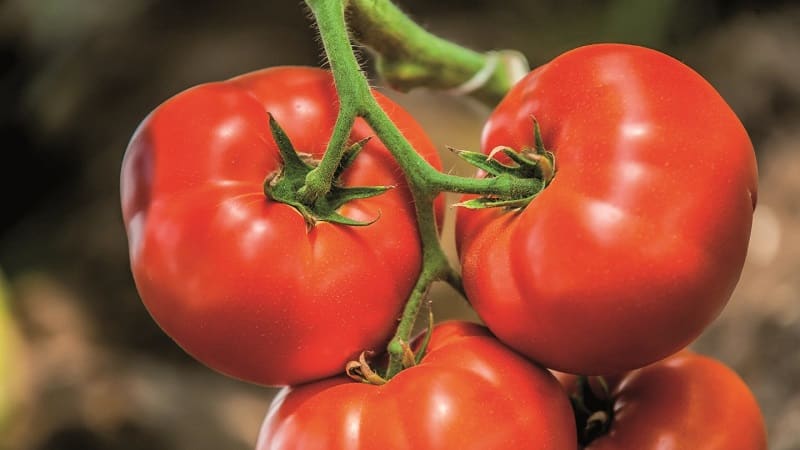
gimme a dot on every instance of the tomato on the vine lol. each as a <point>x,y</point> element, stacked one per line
<point>240,281</point>
<point>469,391</point>
<point>639,239</point>
<point>685,401</point>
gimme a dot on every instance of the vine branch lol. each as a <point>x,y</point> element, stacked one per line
<point>409,56</point>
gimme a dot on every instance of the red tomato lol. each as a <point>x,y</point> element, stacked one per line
<point>639,240</point>
<point>468,392</point>
<point>687,401</point>
<point>238,280</point>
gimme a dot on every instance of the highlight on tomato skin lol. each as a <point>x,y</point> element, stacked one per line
<point>240,281</point>
<point>685,401</point>
<point>469,391</point>
<point>639,240</point>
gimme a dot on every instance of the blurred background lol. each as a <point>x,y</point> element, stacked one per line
<point>82,366</point>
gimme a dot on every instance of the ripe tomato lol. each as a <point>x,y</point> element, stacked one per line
<point>639,240</point>
<point>687,401</point>
<point>238,280</point>
<point>468,392</point>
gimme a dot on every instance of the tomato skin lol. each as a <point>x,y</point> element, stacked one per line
<point>469,392</point>
<point>238,280</point>
<point>687,401</point>
<point>639,240</point>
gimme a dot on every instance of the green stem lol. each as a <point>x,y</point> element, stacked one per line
<point>356,98</point>
<point>435,265</point>
<point>409,56</point>
<point>501,185</point>
<point>453,278</point>
<point>422,174</point>
<point>430,272</point>
<point>351,87</point>
<point>452,65</point>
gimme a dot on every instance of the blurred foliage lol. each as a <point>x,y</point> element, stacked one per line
<point>5,355</point>
<point>77,76</point>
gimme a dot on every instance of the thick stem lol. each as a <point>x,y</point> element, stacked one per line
<point>502,185</point>
<point>410,312</point>
<point>427,177</point>
<point>453,65</point>
<point>435,265</point>
<point>409,56</point>
<point>351,87</point>
<point>356,99</point>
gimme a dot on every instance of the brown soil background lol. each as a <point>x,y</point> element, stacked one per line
<point>92,371</point>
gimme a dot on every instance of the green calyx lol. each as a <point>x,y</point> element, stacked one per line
<point>362,371</point>
<point>285,185</point>
<point>535,164</point>
<point>593,409</point>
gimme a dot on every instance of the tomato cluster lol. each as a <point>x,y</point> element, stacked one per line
<point>629,251</point>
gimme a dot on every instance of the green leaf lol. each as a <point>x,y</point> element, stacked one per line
<point>494,202</point>
<point>518,158</point>
<point>551,157</point>
<point>481,161</point>
<point>339,196</point>
<point>342,220</point>
<point>349,156</point>
<point>292,163</point>
<point>537,137</point>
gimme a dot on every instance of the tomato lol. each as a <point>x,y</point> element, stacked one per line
<point>240,281</point>
<point>468,392</point>
<point>687,401</point>
<point>639,239</point>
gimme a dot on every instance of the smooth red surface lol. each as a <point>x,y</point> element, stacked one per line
<point>639,240</point>
<point>468,392</point>
<point>686,402</point>
<point>236,279</point>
